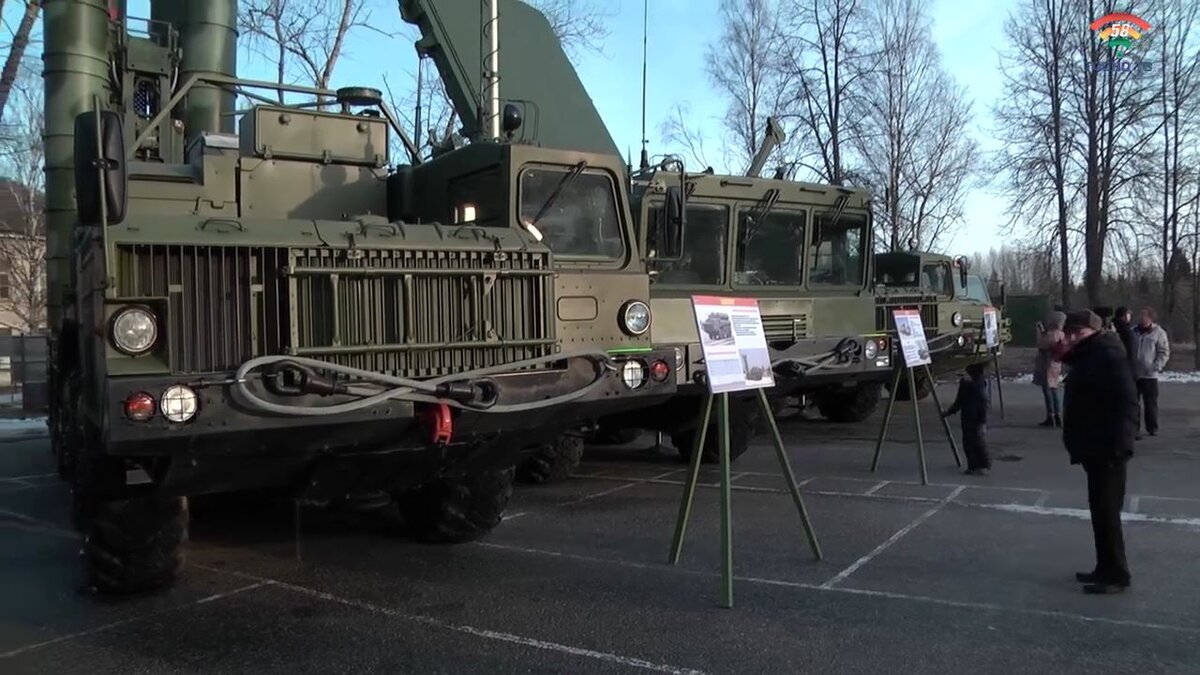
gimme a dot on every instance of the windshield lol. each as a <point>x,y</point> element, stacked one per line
<point>936,278</point>
<point>838,250</point>
<point>977,290</point>
<point>770,251</point>
<point>582,220</point>
<point>703,257</point>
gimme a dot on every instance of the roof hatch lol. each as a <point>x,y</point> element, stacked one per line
<point>535,73</point>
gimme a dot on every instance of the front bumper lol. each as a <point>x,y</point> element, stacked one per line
<point>226,424</point>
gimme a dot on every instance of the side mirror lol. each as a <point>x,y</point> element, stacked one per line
<point>100,151</point>
<point>667,237</point>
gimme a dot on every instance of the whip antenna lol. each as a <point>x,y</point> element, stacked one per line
<point>645,24</point>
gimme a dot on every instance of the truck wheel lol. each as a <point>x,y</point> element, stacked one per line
<point>849,406</point>
<point>131,544</point>
<point>743,418</point>
<point>135,545</point>
<point>458,510</point>
<point>553,461</point>
<point>924,387</point>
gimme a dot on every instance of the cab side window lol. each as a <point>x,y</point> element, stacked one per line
<point>703,257</point>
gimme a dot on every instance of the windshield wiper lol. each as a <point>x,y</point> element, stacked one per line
<point>566,180</point>
<point>760,213</point>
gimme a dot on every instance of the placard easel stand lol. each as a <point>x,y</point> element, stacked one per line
<point>685,508</point>
<point>999,387</point>
<point>912,392</point>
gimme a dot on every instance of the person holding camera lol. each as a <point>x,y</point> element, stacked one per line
<point>1047,368</point>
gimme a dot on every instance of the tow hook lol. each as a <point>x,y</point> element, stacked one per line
<point>439,423</point>
<point>847,349</point>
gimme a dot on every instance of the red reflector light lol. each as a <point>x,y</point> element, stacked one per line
<point>139,407</point>
<point>659,370</point>
<point>439,423</point>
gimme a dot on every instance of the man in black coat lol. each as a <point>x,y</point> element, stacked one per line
<point>1100,419</point>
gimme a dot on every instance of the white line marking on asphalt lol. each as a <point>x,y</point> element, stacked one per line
<point>841,576</point>
<point>666,569</point>
<point>875,488</point>
<point>510,638</point>
<point>124,622</point>
<point>35,475</point>
<point>630,484</point>
<point>1041,500</point>
<point>1084,514</point>
<point>1133,503</point>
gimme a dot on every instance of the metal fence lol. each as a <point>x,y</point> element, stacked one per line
<point>23,371</point>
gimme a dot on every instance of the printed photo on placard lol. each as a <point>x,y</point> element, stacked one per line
<point>734,343</point>
<point>912,337</point>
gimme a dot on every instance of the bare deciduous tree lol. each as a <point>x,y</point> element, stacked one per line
<point>688,140</point>
<point>1035,132</point>
<point>16,53</point>
<point>741,65</point>
<point>908,108</point>
<point>823,54</point>
<point>303,39</point>
<point>22,234</point>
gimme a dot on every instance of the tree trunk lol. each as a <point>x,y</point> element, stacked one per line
<point>17,52</point>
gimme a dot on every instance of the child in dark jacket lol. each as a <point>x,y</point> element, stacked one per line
<point>973,401</point>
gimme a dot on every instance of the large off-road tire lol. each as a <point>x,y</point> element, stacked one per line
<point>743,420</point>
<point>924,387</point>
<point>135,545</point>
<point>458,510</point>
<point>846,406</point>
<point>553,461</point>
<point>131,543</point>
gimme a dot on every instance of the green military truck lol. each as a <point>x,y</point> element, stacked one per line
<point>279,308</point>
<point>802,250</point>
<point>951,302</point>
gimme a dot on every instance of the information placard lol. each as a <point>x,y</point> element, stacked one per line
<point>734,344</point>
<point>912,337</point>
<point>991,327</point>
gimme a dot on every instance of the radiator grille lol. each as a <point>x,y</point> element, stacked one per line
<point>885,321</point>
<point>788,327</point>
<point>225,304</point>
<point>408,313</point>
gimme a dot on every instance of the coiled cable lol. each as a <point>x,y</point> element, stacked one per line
<point>389,387</point>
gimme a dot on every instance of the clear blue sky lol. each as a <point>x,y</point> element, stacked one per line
<point>967,33</point>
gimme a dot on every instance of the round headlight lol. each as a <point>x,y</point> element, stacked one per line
<point>179,403</point>
<point>680,358</point>
<point>134,330</point>
<point>870,349</point>
<point>635,317</point>
<point>633,374</point>
<point>956,319</point>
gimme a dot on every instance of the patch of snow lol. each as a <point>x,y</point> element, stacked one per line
<point>1180,376</point>
<point>31,424</point>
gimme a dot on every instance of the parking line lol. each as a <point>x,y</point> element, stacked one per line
<point>625,486</point>
<point>878,486</point>
<point>124,622</point>
<point>510,638</point>
<point>1134,502</point>
<point>1049,613</point>
<point>857,564</point>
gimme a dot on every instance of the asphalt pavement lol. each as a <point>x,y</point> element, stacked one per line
<point>966,574</point>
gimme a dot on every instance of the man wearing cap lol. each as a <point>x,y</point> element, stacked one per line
<point>1100,420</point>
